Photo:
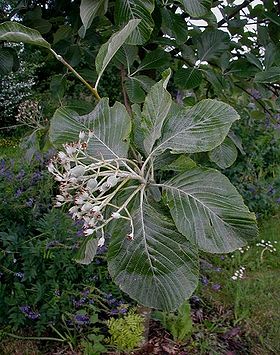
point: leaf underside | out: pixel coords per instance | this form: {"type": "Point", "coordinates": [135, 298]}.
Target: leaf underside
{"type": "Point", "coordinates": [208, 210]}
{"type": "Point", "coordinates": [159, 268]}
{"type": "Point", "coordinates": [111, 127]}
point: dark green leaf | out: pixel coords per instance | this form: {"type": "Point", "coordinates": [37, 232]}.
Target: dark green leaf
{"type": "Point", "coordinates": [211, 44]}
{"type": "Point", "coordinates": [271, 75]}
{"type": "Point", "coordinates": [188, 78]}
{"type": "Point", "coordinates": [195, 8]}
{"type": "Point", "coordinates": [174, 26]}
{"type": "Point", "coordinates": [154, 60]}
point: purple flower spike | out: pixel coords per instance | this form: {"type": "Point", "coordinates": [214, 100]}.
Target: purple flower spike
{"type": "Point", "coordinates": [216, 287]}
{"type": "Point", "coordinates": [81, 319]}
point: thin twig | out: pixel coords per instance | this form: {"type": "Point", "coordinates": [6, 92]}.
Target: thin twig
{"type": "Point", "coordinates": [63, 61]}
{"type": "Point", "coordinates": [125, 97]}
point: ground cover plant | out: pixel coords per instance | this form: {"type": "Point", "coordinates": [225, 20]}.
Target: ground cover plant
{"type": "Point", "coordinates": [140, 177]}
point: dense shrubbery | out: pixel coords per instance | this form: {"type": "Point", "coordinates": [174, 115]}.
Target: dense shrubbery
{"type": "Point", "coordinates": [256, 174]}
{"type": "Point", "coordinates": [40, 285]}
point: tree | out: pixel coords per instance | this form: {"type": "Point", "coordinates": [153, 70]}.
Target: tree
{"type": "Point", "coordinates": [123, 177]}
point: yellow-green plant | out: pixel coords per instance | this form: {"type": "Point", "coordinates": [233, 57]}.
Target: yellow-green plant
{"type": "Point", "coordinates": [126, 333]}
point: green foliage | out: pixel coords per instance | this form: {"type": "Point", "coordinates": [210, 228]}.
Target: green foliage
{"type": "Point", "coordinates": [179, 324]}
{"type": "Point", "coordinates": [126, 333]}
{"type": "Point", "coordinates": [40, 283]}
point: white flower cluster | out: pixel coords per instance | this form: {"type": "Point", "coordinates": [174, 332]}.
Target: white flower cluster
{"type": "Point", "coordinates": [268, 245]}
{"type": "Point", "coordinates": [238, 275]}
{"type": "Point", "coordinates": [90, 184]}
{"type": "Point", "coordinates": [29, 113]}
{"type": "Point", "coordinates": [242, 250]}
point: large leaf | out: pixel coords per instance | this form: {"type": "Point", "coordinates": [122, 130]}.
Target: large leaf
{"type": "Point", "coordinates": [209, 211]}
{"type": "Point", "coordinates": [108, 49]}
{"type": "Point", "coordinates": [195, 8]}
{"type": "Point", "coordinates": [89, 9]}
{"type": "Point", "coordinates": [155, 110]}
{"type": "Point", "coordinates": [188, 78]}
{"type": "Point", "coordinates": [15, 32]}
{"type": "Point", "coordinates": [158, 267]}
{"type": "Point", "coordinates": [225, 154]}
{"type": "Point", "coordinates": [174, 26]}
{"type": "Point", "coordinates": [198, 129]}
{"type": "Point", "coordinates": [154, 60]}
{"type": "Point", "coordinates": [111, 127]}
{"type": "Point", "coordinates": [211, 44]}
{"type": "Point", "coordinates": [271, 75]}
{"type": "Point", "coordinates": [126, 10]}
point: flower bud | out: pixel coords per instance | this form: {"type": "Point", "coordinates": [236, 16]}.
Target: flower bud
{"type": "Point", "coordinates": [91, 184]}
{"type": "Point", "coordinates": [101, 242]}
{"type": "Point", "coordinates": [60, 198]}
{"type": "Point", "coordinates": [88, 231]}
{"type": "Point", "coordinates": [116, 215]}
{"type": "Point", "coordinates": [86, 207]}
{"type": "Point", "coordinates": [82, 135]}
{"type": "Point", "coordinates": [112, 180]}
{"type": "Point", "coordinates": [77, 171]}
{"type": "Point", "coordinates": [105, 187]}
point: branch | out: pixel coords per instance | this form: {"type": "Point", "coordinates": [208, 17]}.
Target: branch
{"type": "Point", "coordinates": [257, 100]}
{"type": "Point", "coordinates": [235, 12]}
{"type": "Point", "coordinates": [63, 61]}
{"type": "Point", "coordinates": [125, 97]}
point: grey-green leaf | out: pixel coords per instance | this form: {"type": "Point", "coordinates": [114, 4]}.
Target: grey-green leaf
{"type": "Point", "coordinates": [89, 9]}
{"type": "Point", "coordinates": [225, 154]}
{"type": "Point", "coordinates": [16, 32]}
{"type": "Point", "coordinates": [209, 211]}
{"type": "Point", "coordinates": [159, 267]}
{"type": "Point", "coordinates": [198, 129]}
{"type": "Point", "coordinates": [111, 127]}
{"type": "Point", "coordinates": [87, 251]}
{"type": "Point", "coordinates": [108, 49]}
{"type": "Point", "coordinates": [155, 110]}
{"type": "Point", "coordinates": [126, 10]}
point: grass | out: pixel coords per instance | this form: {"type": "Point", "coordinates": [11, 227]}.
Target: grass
{"type": "Point", "coordinates": [254, 300]}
